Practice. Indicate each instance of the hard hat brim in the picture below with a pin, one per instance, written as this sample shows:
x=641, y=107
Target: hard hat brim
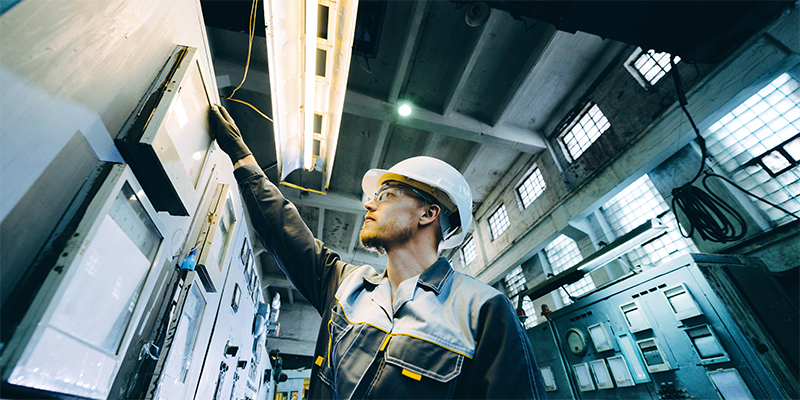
x=369, y=183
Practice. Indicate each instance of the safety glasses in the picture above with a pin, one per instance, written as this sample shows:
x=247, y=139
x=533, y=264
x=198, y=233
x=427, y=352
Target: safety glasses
x=391, y=190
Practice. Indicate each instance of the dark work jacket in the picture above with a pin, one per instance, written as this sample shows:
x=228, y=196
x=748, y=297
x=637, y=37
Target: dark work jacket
x=445, y=335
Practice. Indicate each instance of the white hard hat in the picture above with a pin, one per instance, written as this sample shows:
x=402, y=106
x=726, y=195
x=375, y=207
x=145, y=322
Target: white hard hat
x=440, y=180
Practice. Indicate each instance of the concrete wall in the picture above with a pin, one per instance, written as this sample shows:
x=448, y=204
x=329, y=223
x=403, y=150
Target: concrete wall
x=521, y=218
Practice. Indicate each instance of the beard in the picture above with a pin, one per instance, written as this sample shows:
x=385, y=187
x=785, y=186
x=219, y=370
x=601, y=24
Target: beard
x=375, y=240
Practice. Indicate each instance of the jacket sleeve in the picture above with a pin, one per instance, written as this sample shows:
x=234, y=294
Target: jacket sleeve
x=504, y=365
x=311, y=267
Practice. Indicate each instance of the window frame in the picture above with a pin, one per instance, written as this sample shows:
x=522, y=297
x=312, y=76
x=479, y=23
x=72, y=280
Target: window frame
x=573, y=123
x=520, y=202
x=630, y=65
x=759, y=211
x=489, y=221
x=470, y=239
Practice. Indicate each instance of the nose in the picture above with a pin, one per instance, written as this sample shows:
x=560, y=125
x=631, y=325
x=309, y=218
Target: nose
x=371, y=205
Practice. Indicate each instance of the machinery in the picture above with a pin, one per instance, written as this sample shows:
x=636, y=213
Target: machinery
x=702, y=326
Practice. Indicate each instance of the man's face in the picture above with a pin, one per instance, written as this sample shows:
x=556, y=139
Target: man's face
x=392, y=218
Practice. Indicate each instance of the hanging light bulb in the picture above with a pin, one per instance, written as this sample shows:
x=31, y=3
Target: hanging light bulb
x=404, y=110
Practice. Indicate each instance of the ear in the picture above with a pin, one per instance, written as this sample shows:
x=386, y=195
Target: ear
x=430, y=215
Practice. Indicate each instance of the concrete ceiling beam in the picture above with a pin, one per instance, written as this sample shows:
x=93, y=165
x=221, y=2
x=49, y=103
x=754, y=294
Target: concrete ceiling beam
x=433, y=139
x=456, y=125
x=412, y=39
x=380, y=145
x=529, y=72
x=465, y=70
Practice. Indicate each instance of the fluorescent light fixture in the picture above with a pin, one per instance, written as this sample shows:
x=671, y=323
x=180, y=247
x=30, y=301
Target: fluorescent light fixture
x=309, y=81
x=309, y=45
x=625, y=243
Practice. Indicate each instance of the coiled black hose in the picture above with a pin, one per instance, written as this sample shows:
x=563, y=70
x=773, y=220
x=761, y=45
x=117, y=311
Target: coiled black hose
x=705, y=211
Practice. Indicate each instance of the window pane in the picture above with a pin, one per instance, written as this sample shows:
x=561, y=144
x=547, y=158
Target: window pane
x=653, y=66
x=563, y=253
x=469, y=250
x=636, y=204
x=499, y=222
x=760, y=123
x=514, y=282
x=532, y=187
x=589, y=127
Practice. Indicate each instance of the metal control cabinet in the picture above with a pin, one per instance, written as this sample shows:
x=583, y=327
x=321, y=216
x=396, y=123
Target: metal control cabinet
x=702, y=326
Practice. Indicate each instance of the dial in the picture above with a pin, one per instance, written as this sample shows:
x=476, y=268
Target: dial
x=576, y=342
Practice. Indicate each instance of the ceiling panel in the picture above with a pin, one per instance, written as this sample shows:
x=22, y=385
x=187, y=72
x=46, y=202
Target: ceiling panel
x=509, y=46
x=311, y=217
x=445, y=44
x=338, y=230
x=357, y=135
x=404, y=142
x=489, y=166
x=452, y=150
x=375, y=76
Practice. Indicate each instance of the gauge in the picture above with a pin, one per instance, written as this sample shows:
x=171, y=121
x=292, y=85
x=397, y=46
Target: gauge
x=576, y=342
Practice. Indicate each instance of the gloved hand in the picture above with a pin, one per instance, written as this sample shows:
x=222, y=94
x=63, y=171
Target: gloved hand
x=227, y=134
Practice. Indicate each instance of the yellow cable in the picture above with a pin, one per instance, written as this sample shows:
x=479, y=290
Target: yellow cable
x=253, y=107
x=249, y=47
x=251, y=35
x=292, y=185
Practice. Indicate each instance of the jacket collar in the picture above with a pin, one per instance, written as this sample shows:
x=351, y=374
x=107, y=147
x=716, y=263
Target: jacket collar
x=434, y=278
x=375, y=278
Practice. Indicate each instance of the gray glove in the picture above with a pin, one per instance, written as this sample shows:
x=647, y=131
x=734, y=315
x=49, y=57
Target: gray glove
x=227, y=134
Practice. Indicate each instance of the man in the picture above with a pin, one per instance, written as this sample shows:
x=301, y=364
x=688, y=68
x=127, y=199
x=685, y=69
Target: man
x=417, y=330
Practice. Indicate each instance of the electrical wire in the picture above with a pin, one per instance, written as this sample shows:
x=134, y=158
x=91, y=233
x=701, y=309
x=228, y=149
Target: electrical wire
x=705, y=211
x=708, y=214
x=251, y=35
x=253, y=107
x=368, y=69
x=751, y=195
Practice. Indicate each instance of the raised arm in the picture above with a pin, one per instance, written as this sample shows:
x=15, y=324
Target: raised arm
x=313, y=269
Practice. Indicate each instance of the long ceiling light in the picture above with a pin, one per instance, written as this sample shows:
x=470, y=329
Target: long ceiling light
x=309, y=44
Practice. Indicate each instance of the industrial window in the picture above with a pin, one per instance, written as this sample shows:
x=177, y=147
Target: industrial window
x=585, y=131
x=758, y=145
x=530, y=313
x=469, y=251
x=563, y=253
x=634, y=205
x=498, y=222
x=649, y=67
x=515, y=283
x=531, y=187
